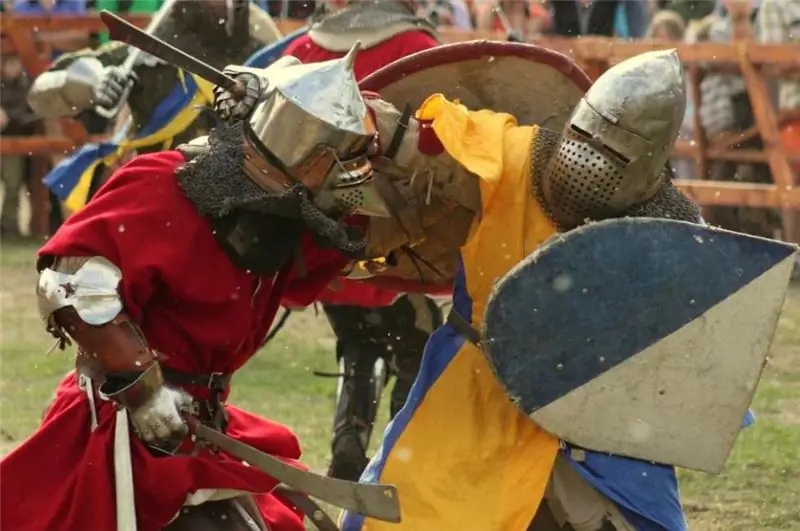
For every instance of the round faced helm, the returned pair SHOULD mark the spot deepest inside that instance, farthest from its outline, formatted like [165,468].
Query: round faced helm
[613,148]
[313,128]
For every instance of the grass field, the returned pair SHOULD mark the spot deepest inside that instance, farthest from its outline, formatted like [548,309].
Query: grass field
[760,488]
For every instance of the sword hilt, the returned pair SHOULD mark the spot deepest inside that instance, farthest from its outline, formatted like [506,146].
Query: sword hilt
[112,112]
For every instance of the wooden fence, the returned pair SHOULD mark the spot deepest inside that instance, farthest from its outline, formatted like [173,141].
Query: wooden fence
[594,54]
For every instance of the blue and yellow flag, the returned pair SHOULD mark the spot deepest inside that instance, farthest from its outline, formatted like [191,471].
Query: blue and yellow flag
[71,179]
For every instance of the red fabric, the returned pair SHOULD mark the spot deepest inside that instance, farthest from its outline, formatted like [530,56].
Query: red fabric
[202,314]
[357,293]
[428,143]
[411,286]
[369,60]
[369,95]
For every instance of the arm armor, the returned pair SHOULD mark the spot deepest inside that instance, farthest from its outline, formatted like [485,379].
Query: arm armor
[429,186]
[67,88]
[78,299]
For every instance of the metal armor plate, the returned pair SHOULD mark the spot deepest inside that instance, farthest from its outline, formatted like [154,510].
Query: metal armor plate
[370,23]
[640,337]
[536,85]
[91,290]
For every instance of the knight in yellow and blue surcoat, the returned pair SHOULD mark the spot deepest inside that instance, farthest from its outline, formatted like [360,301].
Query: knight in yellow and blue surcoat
[461,454]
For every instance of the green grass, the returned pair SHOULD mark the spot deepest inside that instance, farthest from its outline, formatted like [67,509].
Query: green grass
[760,488]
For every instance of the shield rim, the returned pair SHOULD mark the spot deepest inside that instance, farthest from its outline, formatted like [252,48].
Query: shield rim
[471,50]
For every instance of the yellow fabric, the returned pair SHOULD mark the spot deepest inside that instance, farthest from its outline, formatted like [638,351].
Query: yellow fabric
[468,458]
[203,96]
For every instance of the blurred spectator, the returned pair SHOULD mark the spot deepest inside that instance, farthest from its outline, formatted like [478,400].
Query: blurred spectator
[725,108]
[667,25]
[523,18]
[779,22]
[602,17]
[292,9]
[631,19]
[15,119]
[461,16]
[447,14]
[689,9]
[568,16]
[624,18]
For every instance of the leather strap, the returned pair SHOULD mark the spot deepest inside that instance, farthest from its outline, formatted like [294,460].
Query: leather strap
[463,327]
[399,133]
[216,381]
[308,507]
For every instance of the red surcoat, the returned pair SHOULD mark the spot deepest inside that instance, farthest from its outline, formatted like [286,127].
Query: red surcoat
[352,292]
[202,315]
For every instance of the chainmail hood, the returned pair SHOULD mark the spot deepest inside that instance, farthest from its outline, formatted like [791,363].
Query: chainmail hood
[216,182]
[669,202]
[364,17]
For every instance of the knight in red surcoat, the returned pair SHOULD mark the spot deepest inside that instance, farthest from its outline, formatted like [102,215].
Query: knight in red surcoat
[168,282]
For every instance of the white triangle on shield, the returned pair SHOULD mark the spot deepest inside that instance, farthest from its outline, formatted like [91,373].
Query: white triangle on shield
[682,400]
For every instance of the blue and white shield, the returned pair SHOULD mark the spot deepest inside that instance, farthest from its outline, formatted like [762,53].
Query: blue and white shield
[640,337]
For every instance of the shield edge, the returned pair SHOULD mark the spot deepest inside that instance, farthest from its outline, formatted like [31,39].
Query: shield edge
[471,50]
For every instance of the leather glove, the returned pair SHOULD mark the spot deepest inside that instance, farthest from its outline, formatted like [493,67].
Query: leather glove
[228,106]
[109,91]
[159,418]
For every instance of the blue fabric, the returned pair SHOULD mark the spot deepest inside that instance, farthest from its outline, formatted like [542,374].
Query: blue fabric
[72,7]
[630,19]
[269,54]
[442,346]
[646,493]
[621,21]
[69,172]
[636,18]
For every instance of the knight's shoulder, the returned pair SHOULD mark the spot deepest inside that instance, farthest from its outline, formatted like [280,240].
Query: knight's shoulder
[157,163]
[151,175]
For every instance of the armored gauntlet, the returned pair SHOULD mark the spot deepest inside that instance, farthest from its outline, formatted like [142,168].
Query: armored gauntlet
[256,83]
[111,87]
[435,197]
[78,300]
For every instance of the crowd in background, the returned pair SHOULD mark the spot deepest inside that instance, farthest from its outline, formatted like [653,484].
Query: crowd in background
[723,107]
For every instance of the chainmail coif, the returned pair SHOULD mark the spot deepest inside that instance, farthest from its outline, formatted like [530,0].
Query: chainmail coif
[216,183]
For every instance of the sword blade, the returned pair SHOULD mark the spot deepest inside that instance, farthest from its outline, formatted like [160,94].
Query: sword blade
[372,500]
[121,30]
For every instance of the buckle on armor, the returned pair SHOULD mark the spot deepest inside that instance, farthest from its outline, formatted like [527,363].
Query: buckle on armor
[217,381]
